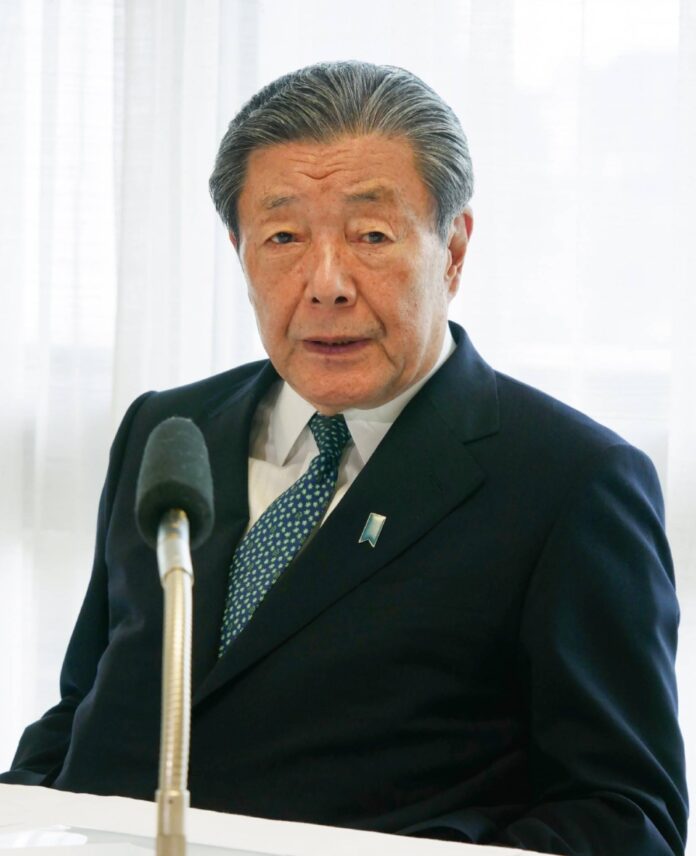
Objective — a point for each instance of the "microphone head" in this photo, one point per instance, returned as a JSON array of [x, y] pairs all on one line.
[[175, 473]]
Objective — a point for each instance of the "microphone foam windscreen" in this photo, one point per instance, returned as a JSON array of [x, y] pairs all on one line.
[[175, 473]]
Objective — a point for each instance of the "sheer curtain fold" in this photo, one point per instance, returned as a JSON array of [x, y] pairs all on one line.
[[117, 276], [178, 286], [681, 476], [57, 287]]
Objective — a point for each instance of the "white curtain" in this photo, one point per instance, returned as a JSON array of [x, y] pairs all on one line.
[[116, 276]]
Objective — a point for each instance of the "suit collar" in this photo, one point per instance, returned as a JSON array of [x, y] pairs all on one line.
[[456, 407], [465, 392]]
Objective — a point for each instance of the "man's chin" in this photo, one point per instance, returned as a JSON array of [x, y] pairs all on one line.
[[331, 388], [331, 403]]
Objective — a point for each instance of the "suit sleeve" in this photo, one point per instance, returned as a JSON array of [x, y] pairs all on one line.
[[597, 646], [44, 744]]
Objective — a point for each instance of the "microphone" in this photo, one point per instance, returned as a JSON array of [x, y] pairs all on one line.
[[175, 473], [174, 509]]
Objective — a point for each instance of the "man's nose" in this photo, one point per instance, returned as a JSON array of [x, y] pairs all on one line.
[[329, 278]]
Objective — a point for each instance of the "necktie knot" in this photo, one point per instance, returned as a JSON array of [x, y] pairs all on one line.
[[331, 434]]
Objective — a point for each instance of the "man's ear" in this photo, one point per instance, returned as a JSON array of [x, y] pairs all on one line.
[[233, 240], [457, 243]]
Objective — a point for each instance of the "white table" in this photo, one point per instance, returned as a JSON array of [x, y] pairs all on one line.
[[44, 821]]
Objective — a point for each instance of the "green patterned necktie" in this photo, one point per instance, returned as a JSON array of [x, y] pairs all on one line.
[[277, 536]]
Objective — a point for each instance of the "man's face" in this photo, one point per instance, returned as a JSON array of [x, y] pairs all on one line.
[[348, 279]]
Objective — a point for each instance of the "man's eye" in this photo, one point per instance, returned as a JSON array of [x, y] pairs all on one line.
[[374, 237], [282, 237]]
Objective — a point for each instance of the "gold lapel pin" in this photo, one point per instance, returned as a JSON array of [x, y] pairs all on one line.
[[372, 528]]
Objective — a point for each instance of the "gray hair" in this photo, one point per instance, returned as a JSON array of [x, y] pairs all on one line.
[[331, 99]]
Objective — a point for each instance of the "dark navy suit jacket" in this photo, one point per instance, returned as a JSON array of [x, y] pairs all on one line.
[[497, 669]]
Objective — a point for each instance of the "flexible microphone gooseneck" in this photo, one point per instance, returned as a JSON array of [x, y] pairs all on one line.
[[174, 507]]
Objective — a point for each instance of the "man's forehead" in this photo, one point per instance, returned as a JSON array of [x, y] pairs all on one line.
[[365, 168], [372, 192]]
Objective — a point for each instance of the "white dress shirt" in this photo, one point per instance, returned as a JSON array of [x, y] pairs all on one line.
[[282, 445]]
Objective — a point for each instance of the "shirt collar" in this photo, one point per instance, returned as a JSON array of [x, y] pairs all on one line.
[[290, 414]]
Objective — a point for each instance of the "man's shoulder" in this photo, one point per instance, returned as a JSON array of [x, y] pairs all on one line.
[[216, 387], [496, 408], [208, 394], [235, 390], [532, 410], [557, 439]]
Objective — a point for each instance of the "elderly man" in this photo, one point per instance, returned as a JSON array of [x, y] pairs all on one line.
[[435, 602]]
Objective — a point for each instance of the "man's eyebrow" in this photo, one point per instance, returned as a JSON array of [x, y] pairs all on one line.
[[372, 194], [269, 203]]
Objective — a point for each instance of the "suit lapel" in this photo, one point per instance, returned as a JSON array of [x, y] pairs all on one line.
[[418, 474]]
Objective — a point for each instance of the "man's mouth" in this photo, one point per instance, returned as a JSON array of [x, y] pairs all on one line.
[[334, 346]]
